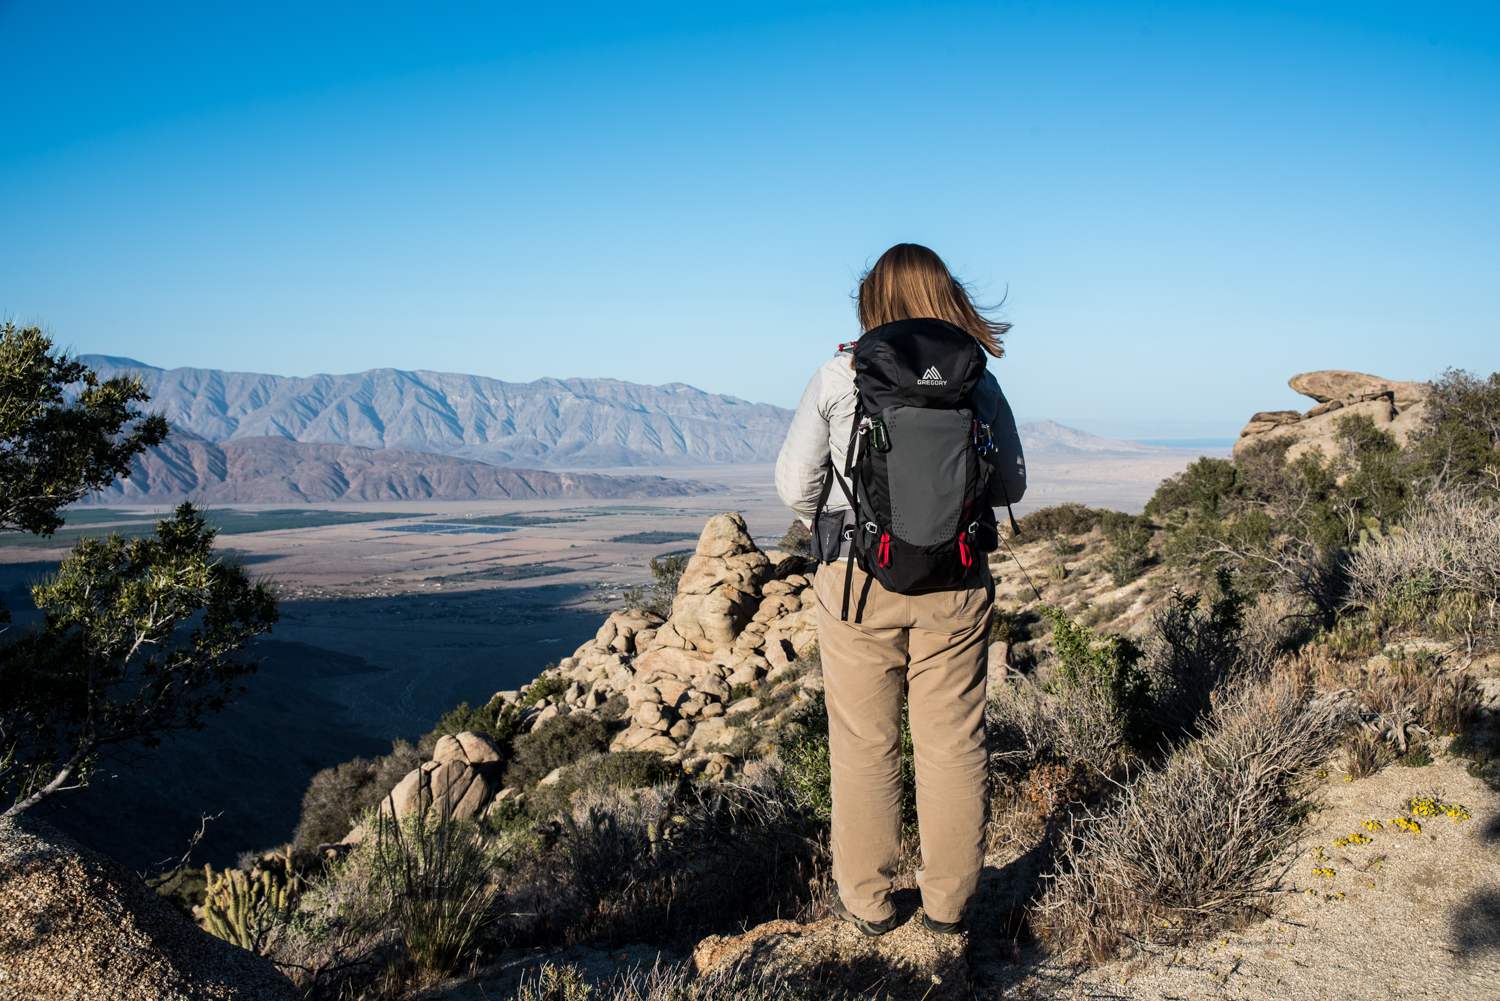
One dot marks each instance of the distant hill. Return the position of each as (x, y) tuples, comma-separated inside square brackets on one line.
[(550, 423), (1048, 439), (282, 471)]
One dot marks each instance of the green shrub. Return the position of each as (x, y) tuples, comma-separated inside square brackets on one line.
[(665, 982), (1059, 519), (1417, 757), (560, 741), (807, 774), (602, 772), (499, 721), (438, 883), (1130, 539), (656, 597), (337, 797), (552, 688), (1100, 685), (1459, 442), (1203, 486), (1194, 652), (675, 862)]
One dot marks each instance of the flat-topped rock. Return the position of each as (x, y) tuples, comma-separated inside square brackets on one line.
[(1335, 384)]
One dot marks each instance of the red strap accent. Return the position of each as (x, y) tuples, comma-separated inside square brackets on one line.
[(885, 549), (963, 552)]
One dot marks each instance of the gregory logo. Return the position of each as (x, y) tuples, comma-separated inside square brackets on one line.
[(932, 377)]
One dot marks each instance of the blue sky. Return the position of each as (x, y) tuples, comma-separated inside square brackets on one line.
[(1181, 204)]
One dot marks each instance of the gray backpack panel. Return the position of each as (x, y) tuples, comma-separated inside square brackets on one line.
[(925, 468)]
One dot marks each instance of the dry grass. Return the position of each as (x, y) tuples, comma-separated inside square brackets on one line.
[(661, 983), (1196, 838), (1450, 543), (1030, 728)]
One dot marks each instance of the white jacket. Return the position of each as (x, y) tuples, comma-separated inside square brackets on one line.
[(820, 434)]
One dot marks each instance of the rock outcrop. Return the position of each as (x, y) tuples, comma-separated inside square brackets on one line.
[(1396, 407), (459, 782), (75, 924), (737, 620)]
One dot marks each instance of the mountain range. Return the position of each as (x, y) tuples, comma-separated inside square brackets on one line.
[(546, 424), (387, 435), (1048, 439)]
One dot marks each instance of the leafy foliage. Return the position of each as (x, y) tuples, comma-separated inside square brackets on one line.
[(599, 774), (1130, 539), (545, 687), (337, 797), (808, 774), (64, 433), (1059, 519), (1195, 652), (1458, 442), (665, 982), (560, 741), (1101, 672), (111, 667), (656, 597), (496, 719), (1203, 486), (1288, 524)]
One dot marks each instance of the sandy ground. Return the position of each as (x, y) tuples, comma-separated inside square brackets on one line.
[(1121, 483)]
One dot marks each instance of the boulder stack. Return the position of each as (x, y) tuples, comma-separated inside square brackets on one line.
[(1395, 407), (460, 781), (737, 621)]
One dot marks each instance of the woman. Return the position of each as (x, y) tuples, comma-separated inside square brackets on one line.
[(927, 648)]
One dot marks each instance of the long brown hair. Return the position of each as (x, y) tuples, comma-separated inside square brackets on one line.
[(911, 282)]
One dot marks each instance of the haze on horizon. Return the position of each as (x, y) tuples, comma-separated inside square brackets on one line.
[(1181, 204)]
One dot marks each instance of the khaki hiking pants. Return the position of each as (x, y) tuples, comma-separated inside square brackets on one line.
[(929, 649)]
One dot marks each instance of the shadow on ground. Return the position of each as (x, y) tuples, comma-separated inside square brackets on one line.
[(338, 679)]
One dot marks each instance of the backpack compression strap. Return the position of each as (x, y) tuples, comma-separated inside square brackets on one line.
[(851, 460)]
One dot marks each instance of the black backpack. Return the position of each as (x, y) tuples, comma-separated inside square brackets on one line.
[(915, 479)]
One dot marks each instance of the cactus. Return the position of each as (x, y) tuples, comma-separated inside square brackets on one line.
[(244, 908)]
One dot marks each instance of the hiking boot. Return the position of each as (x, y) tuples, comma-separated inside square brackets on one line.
[(870, 928), (942, 927)]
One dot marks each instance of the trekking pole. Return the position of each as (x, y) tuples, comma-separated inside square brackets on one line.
[(1015, 530)]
